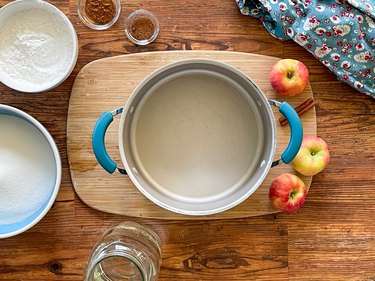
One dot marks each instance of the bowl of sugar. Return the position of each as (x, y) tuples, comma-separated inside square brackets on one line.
[(38, 46), (30, 171)]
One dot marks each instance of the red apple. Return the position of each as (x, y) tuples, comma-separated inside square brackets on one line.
[(289, 77), (313, 156), (287, 192)]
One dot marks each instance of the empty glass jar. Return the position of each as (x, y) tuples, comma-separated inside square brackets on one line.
[(128, 251)]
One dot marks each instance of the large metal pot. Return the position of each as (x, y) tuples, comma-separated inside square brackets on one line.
[(197, 137)]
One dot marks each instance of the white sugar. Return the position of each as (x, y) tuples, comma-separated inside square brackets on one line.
[(27, 169)]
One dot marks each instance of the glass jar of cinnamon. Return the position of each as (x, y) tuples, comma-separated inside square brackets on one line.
[(99, 14), (141, 27)]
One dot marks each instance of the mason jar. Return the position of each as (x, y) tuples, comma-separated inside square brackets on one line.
[(127, 251)]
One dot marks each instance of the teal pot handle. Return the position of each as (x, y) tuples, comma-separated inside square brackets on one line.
[(98, 144), (296, 132)]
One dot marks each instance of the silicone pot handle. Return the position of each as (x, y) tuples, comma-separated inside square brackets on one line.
[(296, 132), (98, 143)]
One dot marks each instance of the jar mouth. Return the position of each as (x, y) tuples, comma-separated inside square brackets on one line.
[(137, 14), (114, 266), (127, 252), (150, 234)]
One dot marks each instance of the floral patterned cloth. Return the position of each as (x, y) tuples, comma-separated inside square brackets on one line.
[(340, 33)]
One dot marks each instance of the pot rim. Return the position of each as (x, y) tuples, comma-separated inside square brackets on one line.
[(265, 164)]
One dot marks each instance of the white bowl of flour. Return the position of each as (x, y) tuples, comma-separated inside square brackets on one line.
[(30, 171), (38, 46)]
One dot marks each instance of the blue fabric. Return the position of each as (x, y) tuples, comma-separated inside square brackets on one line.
[(341, 34)]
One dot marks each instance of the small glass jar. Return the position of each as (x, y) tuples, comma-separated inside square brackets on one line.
[(128, 251), (99, 14), (141, 27)]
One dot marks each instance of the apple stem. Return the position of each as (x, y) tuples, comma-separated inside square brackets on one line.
[(290, 74)]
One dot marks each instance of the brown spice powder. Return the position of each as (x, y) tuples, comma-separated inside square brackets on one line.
[(142, 28), (100, 11)]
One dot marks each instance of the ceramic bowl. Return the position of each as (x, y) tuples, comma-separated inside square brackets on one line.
[(48, 51), (38, 144)]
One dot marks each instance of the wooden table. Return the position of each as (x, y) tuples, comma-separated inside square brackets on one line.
[(331, 238)]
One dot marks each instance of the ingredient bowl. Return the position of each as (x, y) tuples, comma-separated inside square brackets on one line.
[(30, 171), (99, 15), (142, 27), (38, 47)]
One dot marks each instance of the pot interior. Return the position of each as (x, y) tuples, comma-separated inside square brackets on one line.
[(197, 139)]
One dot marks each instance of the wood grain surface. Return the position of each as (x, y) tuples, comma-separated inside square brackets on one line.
[(331, 238), (100, 86)]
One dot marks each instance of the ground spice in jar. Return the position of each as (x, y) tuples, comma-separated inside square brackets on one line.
[(142, 28), (100, 11)]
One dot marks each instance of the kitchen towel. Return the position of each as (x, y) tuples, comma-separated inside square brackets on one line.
[(341, 33)]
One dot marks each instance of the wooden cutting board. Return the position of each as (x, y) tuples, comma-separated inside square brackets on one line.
[(105, 84)]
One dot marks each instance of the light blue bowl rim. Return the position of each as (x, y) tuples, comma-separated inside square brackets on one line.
[(10, 230)]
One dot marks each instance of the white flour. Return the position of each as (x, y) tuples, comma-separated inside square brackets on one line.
[(34, 47), (27, 169)]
